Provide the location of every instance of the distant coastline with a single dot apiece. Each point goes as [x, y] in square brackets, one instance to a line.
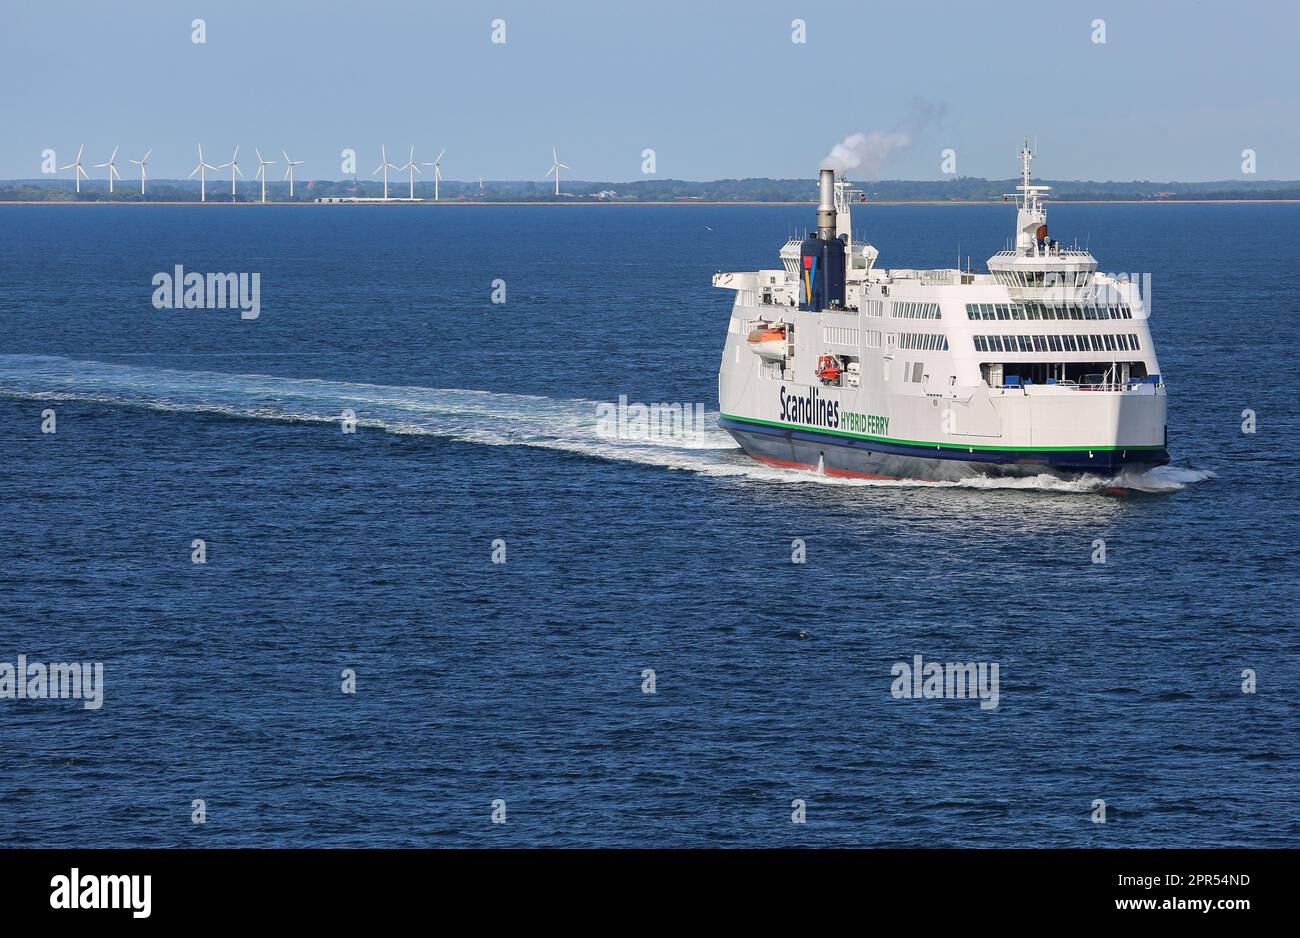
[957, 191]
[576, 203]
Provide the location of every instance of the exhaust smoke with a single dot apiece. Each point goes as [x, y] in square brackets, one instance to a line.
[868, 152]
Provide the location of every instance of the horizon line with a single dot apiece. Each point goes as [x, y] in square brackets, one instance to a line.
[812, 180]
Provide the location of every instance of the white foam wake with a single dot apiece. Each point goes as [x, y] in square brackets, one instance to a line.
[481, 417]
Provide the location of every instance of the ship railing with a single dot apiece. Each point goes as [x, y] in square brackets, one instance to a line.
[1047, 252]
[1130, 386]
[1075, 386]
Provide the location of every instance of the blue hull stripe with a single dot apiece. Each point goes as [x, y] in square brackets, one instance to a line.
[1079, 459]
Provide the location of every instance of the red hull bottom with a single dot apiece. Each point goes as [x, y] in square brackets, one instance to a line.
[827, 470]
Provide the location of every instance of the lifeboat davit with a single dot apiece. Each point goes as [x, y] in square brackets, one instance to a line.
[827, 369]
[768, 342]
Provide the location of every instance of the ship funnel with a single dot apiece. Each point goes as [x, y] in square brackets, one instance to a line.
[826, 206]
[823, 257]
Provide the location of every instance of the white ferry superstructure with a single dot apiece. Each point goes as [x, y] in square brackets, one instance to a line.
[1042, 364]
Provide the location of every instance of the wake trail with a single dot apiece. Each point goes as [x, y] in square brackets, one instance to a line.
[482, 417]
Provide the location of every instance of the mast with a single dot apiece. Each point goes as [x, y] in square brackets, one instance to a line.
[1030, 214]
[1026, 156]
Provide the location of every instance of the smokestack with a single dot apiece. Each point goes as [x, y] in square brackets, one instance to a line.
[823, 256]
[826, 206]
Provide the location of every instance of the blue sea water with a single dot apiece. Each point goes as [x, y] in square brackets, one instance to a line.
[523, 681]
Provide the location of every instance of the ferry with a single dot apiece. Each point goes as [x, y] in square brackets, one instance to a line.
[1041, 365]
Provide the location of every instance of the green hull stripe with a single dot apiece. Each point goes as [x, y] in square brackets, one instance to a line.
[965, 446]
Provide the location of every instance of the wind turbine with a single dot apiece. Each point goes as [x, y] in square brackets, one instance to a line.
[141, 163]
[288, 172]
[385, 166]
[201, 169]
[556, 166]
[437, 172]
[77, 163]
[112, 169]
[410, 165]
[234, 168]
[261, 170]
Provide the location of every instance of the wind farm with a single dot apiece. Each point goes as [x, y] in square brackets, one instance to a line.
[421, 187]
[69, 183]
[381, 187]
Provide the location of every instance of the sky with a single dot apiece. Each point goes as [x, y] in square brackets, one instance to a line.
[717, 89]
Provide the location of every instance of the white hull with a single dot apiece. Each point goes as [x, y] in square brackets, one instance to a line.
[947, 372]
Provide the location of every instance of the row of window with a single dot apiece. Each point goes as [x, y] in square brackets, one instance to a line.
[923, 341]
[1043, 278]
[1043, 311]
[840, 335]
[908, 310]
[1106, 342]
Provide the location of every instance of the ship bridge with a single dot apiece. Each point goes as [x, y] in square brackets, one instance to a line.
[1038, 263]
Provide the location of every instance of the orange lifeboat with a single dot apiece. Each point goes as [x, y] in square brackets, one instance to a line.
[768, 342]
[827, 369]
